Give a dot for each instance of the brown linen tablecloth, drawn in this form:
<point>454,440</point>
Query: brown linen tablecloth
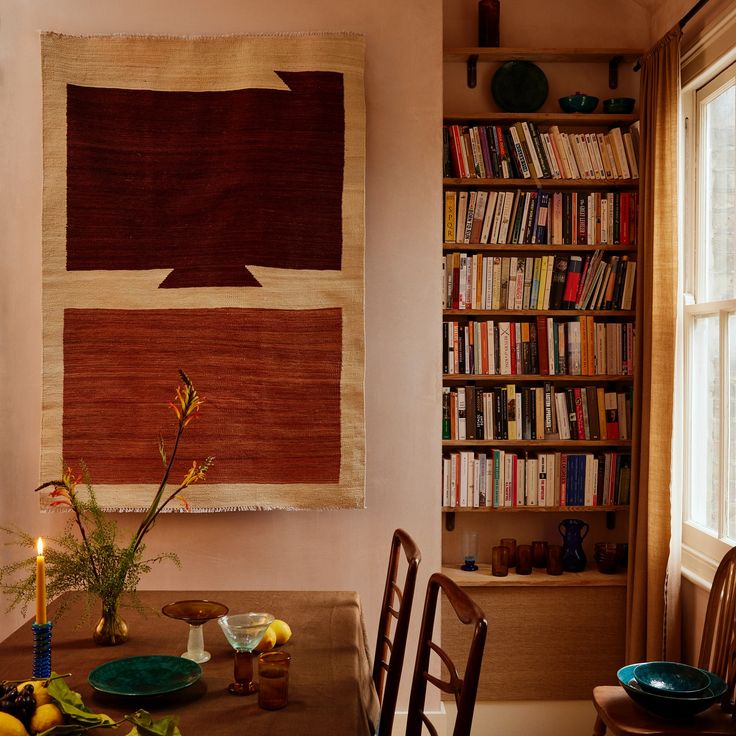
<point>330,686</point>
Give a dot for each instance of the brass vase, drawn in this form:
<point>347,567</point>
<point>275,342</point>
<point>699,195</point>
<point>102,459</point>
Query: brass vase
<point>111,629</point>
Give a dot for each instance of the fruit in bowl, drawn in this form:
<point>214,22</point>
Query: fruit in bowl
<point>578,102</point>
<point>39,704</point>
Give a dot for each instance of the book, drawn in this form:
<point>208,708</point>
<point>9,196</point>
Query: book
<point>489,216</point>
<point>611,407</point>
<point>478,216</point>
<point>520,158</point>
<point>450,213</point>
<point>559,281</point>
<point>461,215</point>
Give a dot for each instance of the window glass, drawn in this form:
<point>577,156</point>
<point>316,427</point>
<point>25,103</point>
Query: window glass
<point>705,423</point>
<point>720,187</point>
<point>731,428</point>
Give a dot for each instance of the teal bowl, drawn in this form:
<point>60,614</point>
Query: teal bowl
<point>578,103</point>
<point>667,706</point>
<point>671,678</point>
<point>619,105</point>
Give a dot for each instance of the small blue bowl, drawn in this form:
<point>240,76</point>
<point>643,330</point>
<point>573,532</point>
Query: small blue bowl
<point>578,103</point>
<point>666,706</point>
<point>671,678</point>
<point>619,105</point>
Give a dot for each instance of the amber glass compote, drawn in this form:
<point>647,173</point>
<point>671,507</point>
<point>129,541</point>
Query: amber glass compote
<point>244,631</point>
<point>196,613</point>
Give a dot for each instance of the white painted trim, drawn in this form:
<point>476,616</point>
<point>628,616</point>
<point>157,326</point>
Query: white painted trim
<point>698,567</point>
<point>710,36</point>
<point>437,717</point>
<point>696,580</point>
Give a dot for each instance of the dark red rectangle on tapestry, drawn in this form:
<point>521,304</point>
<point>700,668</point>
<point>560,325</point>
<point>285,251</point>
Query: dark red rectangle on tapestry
<point>198,180</point>
<point>270,381</point>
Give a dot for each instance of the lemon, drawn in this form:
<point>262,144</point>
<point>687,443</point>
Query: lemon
<point>11,726</point>
<point>282,631</point>
<point>45,717</point>
<point>269,639</point>
<point>39,691</point>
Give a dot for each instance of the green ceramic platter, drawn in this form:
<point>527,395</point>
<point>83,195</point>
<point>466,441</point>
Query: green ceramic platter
<point>519,86</point>
<point>151,675</point>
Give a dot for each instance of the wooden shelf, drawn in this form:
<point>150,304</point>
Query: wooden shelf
<point>533,509</point>
<point>535,247</point>
<point>555,55</point>
<point>482,578</point>
<point>630,313</point>
<point>531,378</point>
<point>534,183</point>
<point>576,119</point>
<point>542,444</point>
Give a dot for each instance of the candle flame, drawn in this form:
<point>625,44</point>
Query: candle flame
<point>39,546</point>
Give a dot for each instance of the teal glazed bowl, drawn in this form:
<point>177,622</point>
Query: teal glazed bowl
<point>619,105</point>
<point>671,678</point>
<point>666,706</point>
<point>578,103</point>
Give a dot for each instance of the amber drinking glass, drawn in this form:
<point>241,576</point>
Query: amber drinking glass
<point>605,556</point>
<point>524,559</point>
<point>539,554</point>
<point>511,544</point>
<point>554,559</point>
<point>500,561</point>
<point>273,680</point>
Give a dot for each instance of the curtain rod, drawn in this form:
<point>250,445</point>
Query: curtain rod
<point>683,22</point>
<point>690,13</point>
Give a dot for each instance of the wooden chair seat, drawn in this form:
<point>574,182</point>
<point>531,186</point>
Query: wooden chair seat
<point>625,718</point>
<point>619,713</point>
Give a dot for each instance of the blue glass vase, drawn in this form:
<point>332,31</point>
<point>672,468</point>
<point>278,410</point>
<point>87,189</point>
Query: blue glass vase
<point>573,533</point>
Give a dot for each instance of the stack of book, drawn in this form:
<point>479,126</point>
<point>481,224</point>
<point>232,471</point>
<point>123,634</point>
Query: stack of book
<point>521,151</point>
<point>541,217</point>
<point>535,413</point>
<point>597,281</point>
<point>545,346</point>
<point>500,479</point>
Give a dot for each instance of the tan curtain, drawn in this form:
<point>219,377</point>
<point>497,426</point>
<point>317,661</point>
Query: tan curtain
<point>652,601</point>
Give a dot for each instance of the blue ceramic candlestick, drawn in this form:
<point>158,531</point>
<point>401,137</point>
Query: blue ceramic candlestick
<point>42,649</point>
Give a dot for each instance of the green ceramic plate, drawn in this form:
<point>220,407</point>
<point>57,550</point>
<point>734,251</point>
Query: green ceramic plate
<point>519,86</point>
<point>151,675</point>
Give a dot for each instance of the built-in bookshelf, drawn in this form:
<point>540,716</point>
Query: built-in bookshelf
<point>540,215</point>
<point>515,305</point>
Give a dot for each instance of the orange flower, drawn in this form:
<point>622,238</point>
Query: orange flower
<point>187,401</point>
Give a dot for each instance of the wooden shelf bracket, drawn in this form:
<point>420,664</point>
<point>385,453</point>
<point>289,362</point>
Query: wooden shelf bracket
<point>472,65</point>
<point>613,71</point>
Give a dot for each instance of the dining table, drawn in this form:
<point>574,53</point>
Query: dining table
<point>330,688</point>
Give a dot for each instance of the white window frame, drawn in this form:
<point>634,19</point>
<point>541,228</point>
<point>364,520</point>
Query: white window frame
<point>701,548</point>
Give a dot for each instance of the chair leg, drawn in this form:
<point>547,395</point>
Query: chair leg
<point>600,727</point>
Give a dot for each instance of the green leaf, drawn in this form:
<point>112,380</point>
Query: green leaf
<point>71,705</point>
<point>144,725</point>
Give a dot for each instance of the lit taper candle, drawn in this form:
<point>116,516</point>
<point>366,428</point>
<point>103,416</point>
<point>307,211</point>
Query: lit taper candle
<point>40,584</point>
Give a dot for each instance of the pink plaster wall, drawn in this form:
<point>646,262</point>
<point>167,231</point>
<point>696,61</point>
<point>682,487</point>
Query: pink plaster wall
<point>307,550</point>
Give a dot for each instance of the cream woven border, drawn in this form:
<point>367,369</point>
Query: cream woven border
<point>206,63</point>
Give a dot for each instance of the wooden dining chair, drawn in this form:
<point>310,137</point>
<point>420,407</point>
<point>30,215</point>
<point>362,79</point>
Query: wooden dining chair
<point>395,610</point>
<point>463,688</point>
<point>618,713</point>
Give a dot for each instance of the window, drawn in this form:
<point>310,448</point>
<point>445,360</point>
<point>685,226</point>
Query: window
<point>709,323</point>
